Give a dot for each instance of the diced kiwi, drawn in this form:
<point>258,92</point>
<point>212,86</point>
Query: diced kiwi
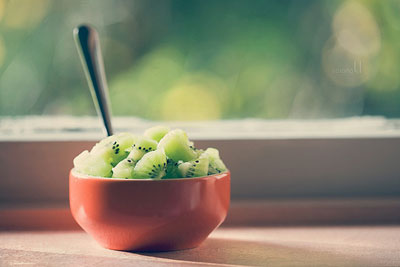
<point>89,164</point>
<point>141,146</point>
<point>113,148</point>
<point>172,169</point>
<point>195,168</point>
<point>160,153</point>
<point>199,152</point>
<point>216,165</point>
<point>157,132</point>
<point>124,169</point>
<point>177,147</point>
<point>152,165</point>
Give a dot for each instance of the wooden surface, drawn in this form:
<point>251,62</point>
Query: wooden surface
<point>264,246</point>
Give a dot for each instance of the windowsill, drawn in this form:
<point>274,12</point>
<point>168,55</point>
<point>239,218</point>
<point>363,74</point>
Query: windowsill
<point>341,232</point>
<point>277,168</point>
<point>355,157</point>
<point>68,128</point>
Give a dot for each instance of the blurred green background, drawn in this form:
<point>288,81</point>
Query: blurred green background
<point>195,60</point>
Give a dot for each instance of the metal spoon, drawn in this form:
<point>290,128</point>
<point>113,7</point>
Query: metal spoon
<point>87,42</point>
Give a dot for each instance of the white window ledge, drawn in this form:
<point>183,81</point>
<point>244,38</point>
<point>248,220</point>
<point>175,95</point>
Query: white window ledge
<point>44,128</point>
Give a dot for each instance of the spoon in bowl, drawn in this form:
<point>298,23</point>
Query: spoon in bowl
<point>88,44</point>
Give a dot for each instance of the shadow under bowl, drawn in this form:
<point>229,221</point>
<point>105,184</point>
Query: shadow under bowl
<point>149,215</point>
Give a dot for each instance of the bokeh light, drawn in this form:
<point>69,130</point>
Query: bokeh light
<point>388,68</point>
<point>25,13</point>
<point>212,60</point>
<point>3,50</point>
<point>190,102</point>
<point>356,30</point>
<point>2,6</point>
<point>29,87</point>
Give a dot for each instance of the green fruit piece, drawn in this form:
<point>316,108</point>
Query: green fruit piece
<point>172,169</point>
<point>177,147</point>
<point>195,168</point>
<point>152,165</point>
<point>199,152</point>
<point>124,169</point>
<point>216,164</point>
<point>141,146</point>
<point>112,149</point>
<point>157,132</point>
<point>89,164</point>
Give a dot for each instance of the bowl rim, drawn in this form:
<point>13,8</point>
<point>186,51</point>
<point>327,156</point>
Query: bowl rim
<point>78,175</point>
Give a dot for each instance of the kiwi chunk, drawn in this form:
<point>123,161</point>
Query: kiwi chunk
<point>216,165</point>
<point>89,164</point>
<point>160,153</point>
<point>124,169</point>
<point>113,148</point>
<point>141,146</point>
<point>172,169</point>
<point>157,132</point>
<point>195,168</point>
<point>199,152</point>
<point>152,165</point>
<point>177,146</point>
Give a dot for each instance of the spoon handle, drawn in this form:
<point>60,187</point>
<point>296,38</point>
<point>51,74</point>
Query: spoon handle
<point>88,44</point>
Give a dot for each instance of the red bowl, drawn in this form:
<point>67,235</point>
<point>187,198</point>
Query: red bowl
<point>149,215</point>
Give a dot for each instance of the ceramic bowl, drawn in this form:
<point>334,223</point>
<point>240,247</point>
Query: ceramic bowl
<point>149,215</point>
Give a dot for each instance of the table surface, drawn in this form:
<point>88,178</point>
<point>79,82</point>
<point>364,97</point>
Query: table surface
<point>261,246</point>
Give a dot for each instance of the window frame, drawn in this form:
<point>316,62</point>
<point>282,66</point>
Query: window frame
<point>286,167</point>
